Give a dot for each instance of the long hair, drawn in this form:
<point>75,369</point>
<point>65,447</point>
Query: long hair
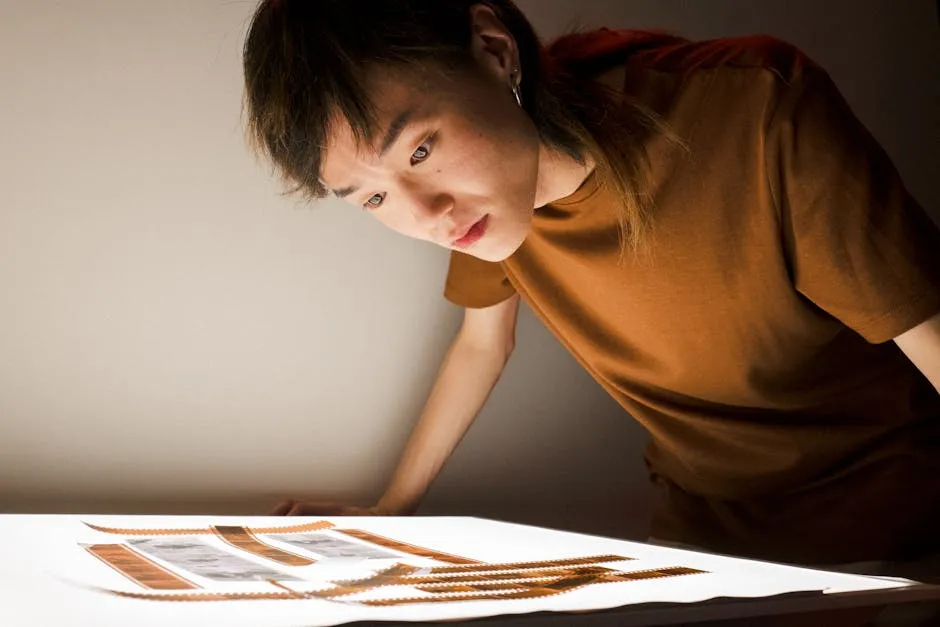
<point>306,64</point>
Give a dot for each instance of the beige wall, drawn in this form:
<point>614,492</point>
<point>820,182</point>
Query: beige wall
<point>175,336</point>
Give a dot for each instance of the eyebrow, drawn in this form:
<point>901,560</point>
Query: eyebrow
<point>344,191</point>
<point>394,131</point>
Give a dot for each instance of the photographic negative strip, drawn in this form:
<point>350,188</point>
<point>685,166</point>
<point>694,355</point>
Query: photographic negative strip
<point>453,578</point>
<point>404,547</point>
<point>242,538</point>
<point>200,558</point>
<point>138,568</point>
<point>332,547</point>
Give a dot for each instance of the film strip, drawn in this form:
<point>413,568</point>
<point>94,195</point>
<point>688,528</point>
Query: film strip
<point>564,581</point>
<point>319,525</point>
<point>484,586</point>
<point>489,578</point>
<point>460,579</point>
<point>139,568</point>
<point>247,540</point>
<point>404,547</point>
<point>393,576</point>
<point>242,538</point>
<point>574,561</point>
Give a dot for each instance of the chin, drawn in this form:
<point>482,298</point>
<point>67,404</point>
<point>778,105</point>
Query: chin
<point>497,246</point>
<point>486,254</point>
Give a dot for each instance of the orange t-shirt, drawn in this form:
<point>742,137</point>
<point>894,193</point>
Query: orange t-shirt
<point>751,339</point>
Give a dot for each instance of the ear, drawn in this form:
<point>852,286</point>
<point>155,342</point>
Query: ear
<point>492,45</point>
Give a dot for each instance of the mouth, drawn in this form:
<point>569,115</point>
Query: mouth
<point>473,234</point>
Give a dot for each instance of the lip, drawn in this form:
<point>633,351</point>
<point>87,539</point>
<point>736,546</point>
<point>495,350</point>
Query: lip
<point>473,234</point>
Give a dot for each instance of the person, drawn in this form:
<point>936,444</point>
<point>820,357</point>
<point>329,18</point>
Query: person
<point>705,226</point>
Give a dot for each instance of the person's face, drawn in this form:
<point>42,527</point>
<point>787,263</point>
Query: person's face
<point>461,173</point>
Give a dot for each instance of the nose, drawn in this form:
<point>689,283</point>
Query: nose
<point>428,205</point>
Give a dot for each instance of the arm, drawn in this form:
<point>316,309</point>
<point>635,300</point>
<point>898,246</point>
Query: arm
<point>470,370</point>
<point>858,244</point>
<point>922,346</point>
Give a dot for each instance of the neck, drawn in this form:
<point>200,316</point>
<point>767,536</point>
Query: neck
<point>559,175</point>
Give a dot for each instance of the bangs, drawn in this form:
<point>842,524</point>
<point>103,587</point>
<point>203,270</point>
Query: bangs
<point>305,75</point>
<point>296,94</point>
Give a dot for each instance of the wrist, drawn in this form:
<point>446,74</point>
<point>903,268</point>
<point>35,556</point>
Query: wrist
<point>389,507</point>
<point>381,510</point>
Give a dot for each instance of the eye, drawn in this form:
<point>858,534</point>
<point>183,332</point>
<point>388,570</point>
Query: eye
<point>423,151</point>
<point>374,202</point>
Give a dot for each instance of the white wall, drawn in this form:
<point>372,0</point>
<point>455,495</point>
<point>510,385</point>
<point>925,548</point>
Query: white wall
<point>175,336</point>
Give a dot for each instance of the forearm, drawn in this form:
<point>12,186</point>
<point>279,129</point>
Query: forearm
<point>922,346</point>
<point>466,378</point>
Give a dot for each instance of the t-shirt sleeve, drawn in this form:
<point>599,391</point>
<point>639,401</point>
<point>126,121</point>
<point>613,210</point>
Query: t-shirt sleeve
<point>474,283</point>
<point>859,246</point>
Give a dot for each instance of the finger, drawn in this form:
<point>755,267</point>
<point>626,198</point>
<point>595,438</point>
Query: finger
<point>283,508</point>
<point>297,509</point>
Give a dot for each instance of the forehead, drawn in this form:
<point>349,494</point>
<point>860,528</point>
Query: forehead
<point>397,98</point>
<point>389,98</point>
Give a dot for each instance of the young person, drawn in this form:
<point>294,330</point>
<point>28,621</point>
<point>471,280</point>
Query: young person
<point>706,226</point>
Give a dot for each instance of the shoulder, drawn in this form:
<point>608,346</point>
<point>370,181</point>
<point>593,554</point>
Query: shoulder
<point>758,52</point>
<point>597,51</point>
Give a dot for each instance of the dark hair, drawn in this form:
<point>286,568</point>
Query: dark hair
<point>306,64</point>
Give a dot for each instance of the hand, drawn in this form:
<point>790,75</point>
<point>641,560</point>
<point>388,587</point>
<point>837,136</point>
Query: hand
<point>292,507</point>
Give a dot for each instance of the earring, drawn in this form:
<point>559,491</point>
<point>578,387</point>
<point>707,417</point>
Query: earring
<point>515,86</point>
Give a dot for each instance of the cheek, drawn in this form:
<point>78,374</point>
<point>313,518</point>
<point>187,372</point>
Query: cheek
<point>401,223</point>
<point>501,171</point>
<point>505,162</point>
